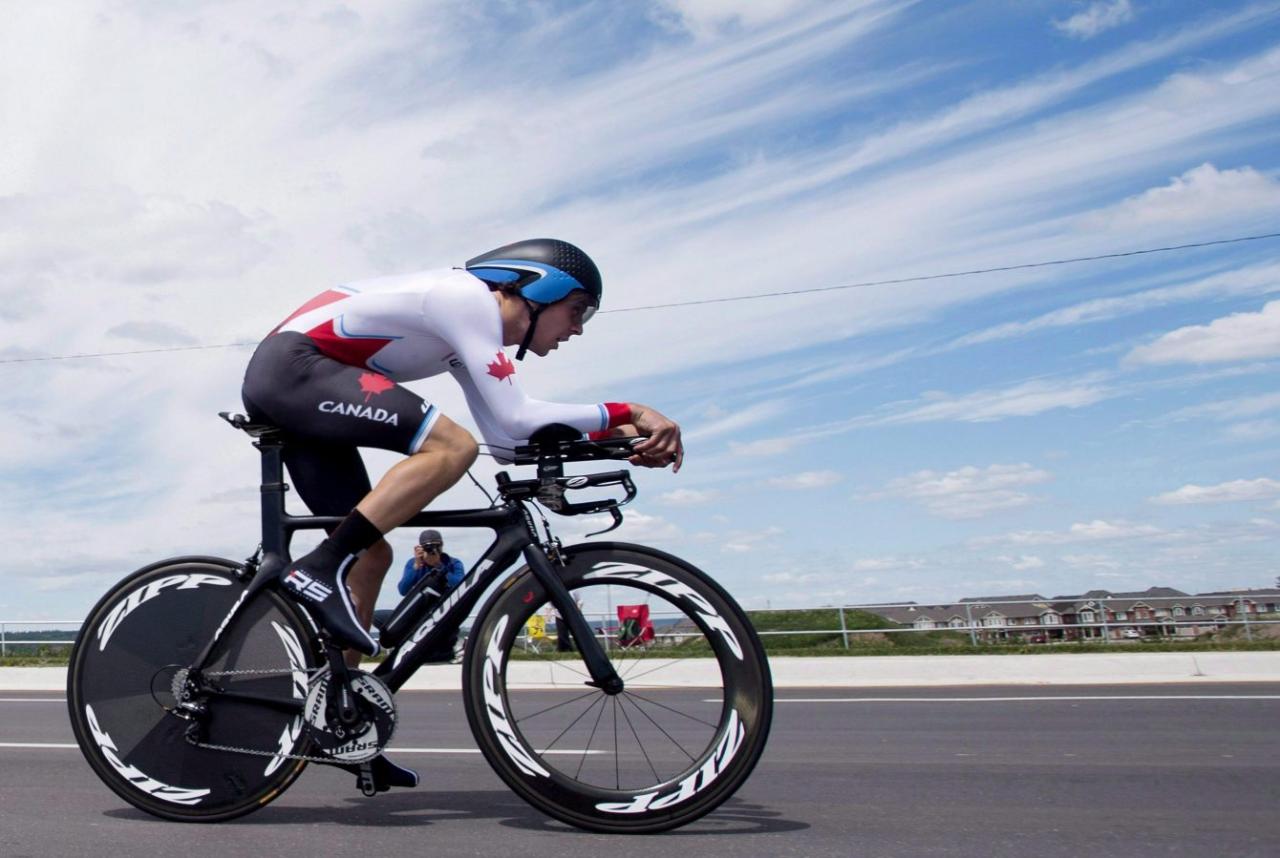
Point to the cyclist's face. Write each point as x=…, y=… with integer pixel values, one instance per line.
x=560, y=321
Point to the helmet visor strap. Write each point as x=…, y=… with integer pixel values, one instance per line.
x=535, y=310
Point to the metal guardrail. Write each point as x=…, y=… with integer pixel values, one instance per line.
x=607, y=624
x=7, y=626
x=975, y=627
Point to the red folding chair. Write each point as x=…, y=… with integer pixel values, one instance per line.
x=634, y=626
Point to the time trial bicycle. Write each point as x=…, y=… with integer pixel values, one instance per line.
x=198, y=692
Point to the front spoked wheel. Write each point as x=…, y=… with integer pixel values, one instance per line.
x=127, y=674
x=679, y=740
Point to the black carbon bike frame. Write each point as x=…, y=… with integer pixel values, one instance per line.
x=428, y=626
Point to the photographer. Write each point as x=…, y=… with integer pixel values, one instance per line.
x=429, y=558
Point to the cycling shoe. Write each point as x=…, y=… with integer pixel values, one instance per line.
x=319, y=583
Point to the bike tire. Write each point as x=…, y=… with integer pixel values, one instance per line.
x=140, y=633
x=682, y=754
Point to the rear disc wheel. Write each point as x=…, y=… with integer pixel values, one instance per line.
x=126, y=678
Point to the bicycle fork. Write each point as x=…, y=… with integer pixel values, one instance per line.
x=603, y=676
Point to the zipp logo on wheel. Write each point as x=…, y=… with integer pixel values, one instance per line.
x=309, y=588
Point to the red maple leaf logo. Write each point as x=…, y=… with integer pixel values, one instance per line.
x=372, y=384
x=502, y=368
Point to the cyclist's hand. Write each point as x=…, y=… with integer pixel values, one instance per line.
x=663, y=446
x=626, y=430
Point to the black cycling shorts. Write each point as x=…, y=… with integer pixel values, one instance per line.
x=327, y=410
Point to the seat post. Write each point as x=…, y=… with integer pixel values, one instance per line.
x=274, y=538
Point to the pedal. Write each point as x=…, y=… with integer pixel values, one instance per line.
x=351, y=723
x=368, y=787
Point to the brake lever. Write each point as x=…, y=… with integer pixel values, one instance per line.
x=617, y=522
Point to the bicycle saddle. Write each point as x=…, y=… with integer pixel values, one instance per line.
x=244, y=424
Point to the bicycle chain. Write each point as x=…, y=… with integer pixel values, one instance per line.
x=315, y=671
x=255, y=752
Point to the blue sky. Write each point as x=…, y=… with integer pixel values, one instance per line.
x=184, y=175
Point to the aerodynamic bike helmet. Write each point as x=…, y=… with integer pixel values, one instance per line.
x=545, y=270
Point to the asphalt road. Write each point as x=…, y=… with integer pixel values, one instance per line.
x=1138, y=770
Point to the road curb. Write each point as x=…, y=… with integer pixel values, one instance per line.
x=868, y=671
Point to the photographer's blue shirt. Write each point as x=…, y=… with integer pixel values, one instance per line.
x=453, y=573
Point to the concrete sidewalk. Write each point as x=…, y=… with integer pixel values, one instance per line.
x=867, y=671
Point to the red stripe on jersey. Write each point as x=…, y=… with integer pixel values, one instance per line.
x=619, y=413
x=326, y=297
x=353, y=351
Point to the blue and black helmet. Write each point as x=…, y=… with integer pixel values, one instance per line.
x=545, y=270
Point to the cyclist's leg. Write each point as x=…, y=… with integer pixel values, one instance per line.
x=318, y=399
x=331, y=479
x=365, y=580
x=441, y=460
x=444, y=457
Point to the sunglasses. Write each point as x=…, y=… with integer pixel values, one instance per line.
x=431, y=549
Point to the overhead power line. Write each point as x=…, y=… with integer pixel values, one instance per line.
x=731, y=298
x=163, y=350
x=924, y=277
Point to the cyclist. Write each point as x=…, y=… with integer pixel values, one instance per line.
x=331, y=375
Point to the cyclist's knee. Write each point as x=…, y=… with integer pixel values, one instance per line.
x=453, y=442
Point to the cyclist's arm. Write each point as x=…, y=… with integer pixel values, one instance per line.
x=489, y=377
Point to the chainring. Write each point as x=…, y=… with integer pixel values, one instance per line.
x=364, y=737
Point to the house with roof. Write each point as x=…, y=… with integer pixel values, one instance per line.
x=1100, y=615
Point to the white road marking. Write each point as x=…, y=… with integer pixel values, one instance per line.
x=33, y=700
x=393, y=750
x=1023, y=699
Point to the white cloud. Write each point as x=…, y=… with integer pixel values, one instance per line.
x=1100, y=16
x=795, y=577
x=1001, y=587
x=1097, y=530
x=1091, y=561
x=887, y=564
x=689, y=497
x=806, y=480
x=153, y=333
x=1022, y=562
x=764, y=446
x=968, y=492
x=1250, y=280
x=93, y=256
x=636, y=527
x=1200, y=195
x=1229, y=492
x=734, y=421
x=706, y=18
x=1025, y=399
x=1253, y=430
x=746, y=541
x=1240, y=336
x=1232, y=409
